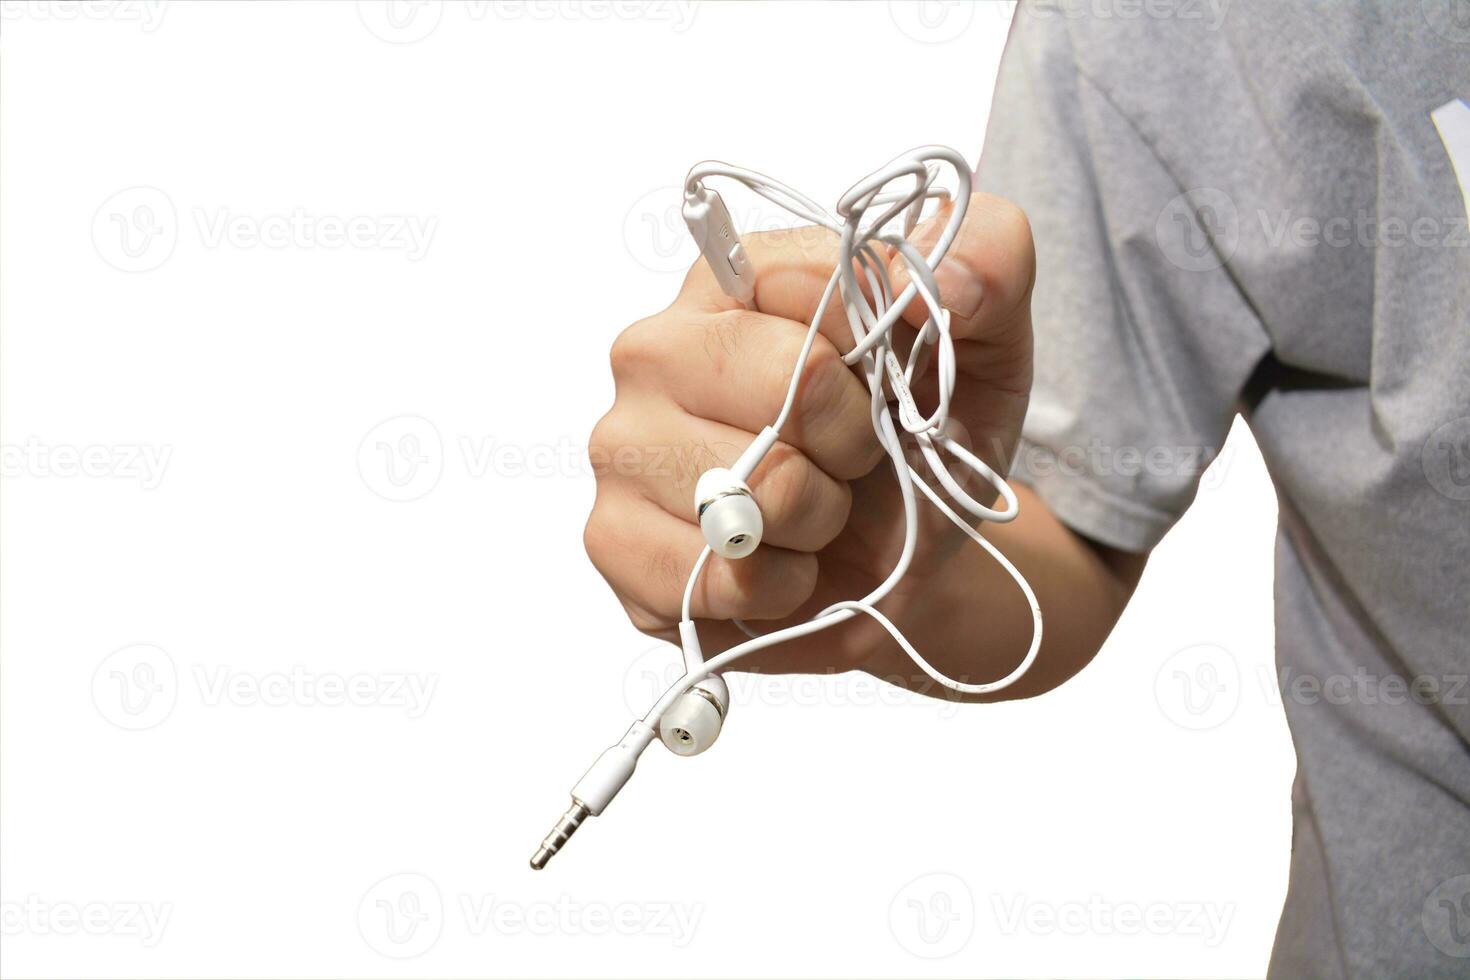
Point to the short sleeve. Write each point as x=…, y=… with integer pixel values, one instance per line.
x=1143, y=342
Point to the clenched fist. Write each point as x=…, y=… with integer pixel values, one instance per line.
x=696, y=382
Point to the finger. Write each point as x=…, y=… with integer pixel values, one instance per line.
x=646, y=555
x=985, y=279
x=792, y=269
x=802, y=508
x=736, y=366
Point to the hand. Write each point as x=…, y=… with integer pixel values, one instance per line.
x=697, y=381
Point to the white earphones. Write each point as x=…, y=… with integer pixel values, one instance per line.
x=727, y=513
x=693, y=721
x=689, y=715
x=723, y=505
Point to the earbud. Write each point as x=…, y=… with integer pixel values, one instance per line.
x=693, y=722
x=728, y=514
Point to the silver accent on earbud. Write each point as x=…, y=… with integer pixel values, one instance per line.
x=708, y=696
x=706, y=503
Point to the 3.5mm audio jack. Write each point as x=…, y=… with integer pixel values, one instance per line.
x=595, y=790
x=560, y=834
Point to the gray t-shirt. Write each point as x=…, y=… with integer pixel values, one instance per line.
x=1245, y=208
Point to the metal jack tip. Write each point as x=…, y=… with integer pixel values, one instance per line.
x=560, y=834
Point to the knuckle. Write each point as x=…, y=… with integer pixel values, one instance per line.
x=635, y=347
x=602, y=435
x=599, y=539
x=1003, y=218
x=722, y=336
x=821, y=380
x=812, y=505
x=1011, y=219
x=620, y=448
x=643, y=620
x=609, y=448
x=786, y=483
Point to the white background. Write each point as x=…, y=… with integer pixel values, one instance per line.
x=204, y=389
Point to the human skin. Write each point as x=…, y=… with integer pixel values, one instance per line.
x=698, y=380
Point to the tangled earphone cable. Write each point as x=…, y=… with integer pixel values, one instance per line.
x=689, y=715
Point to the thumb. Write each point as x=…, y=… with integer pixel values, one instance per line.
x=986, y=276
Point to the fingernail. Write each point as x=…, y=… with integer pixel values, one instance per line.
x=959, y=289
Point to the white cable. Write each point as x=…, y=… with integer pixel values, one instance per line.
x=694, y=577
x=871, y=323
